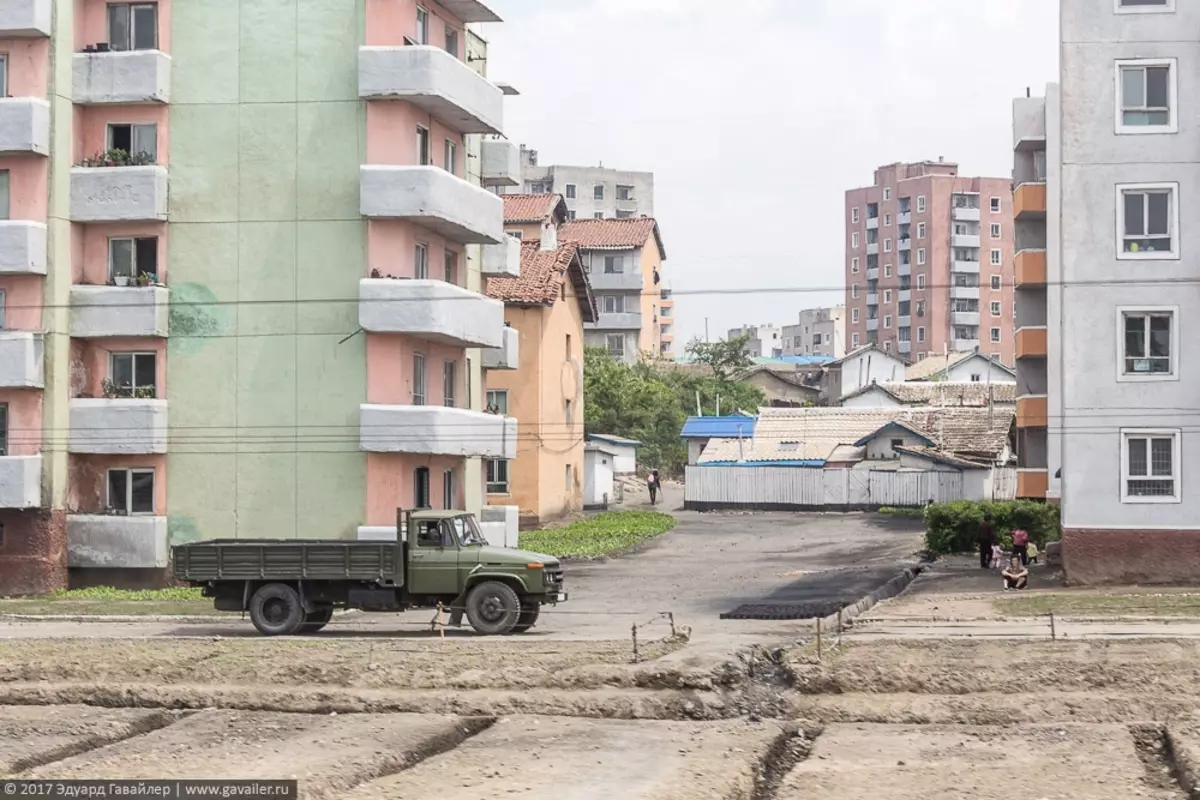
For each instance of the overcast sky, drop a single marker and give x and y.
(756, 116)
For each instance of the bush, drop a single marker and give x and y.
(954, 527)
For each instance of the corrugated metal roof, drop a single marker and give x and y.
(617, 440)
(718, 427)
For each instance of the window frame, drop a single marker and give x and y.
(1172, 219)
(424, 146)
(887, 296)
(1148, 377)
(491, 476)
(920, 334)
(3, 300)
(423, 374)
(133, 126)
(449, 383)
(4, 74)
(422, 18)
(920, 230)
(997, 283)
(994, 336)
(854, 265)
(1172, 126)
(921, 282)
(887, 193)
(608, 340)
(132, 30)
(854, 316)
(996, 205)
(3, 429)
(421, 261)
(887, 220)
(854, 340)
(920, 256)
(996, 257)
(570, 191)
(1168, 7)
(887, 245)
(920, 204)
(450, 156)
(995, 308)
(1176, 435)
(135, 270)
(887, 321)
(597, 191)
(854, 215)
(496, 394)
(995, 232)
(854, 291)
(854, 240)
(128, 505)
(133, 355)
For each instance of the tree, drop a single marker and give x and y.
(726, 357)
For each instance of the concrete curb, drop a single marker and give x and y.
(889, 590)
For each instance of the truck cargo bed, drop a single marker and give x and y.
(284, 560)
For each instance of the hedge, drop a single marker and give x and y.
(954, 527)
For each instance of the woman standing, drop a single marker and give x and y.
(652, 484)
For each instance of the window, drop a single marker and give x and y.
(571, 214)
(887, 320)
(887, 295)
(424, 158)
(854, 265)
(418, 380)
(854, 240)
(827, 338)
(995, 230)
(1144, 6)
(1150, 471)
(450, 158)
(614, 265)
(1146, 90)
(569, 413)
(1147, 352)
(920, 230)
(131, 491)
(854, 340)
(132, 374)
(887, 346)
(448, 495)
(134, 139)
(597, 215)
(569, 349)
(133, 26)
(996, 283)
(421, 262)
(497, 476)
(920, 256)
(451, 267)
(887, 270)
(421, 496)
(996, 308)
(422, 26)
(1, 309)
(1148, 218)
(616, 344)
(497, 401)
(995, 335)
(921, 281)
(995, 205)
(449, 382)
(518, 234)
(921, 204)
(570, 191)
(887, 193)
(854, 315)
(887, 220)
(854, 214)
(598, 191)
(887, 245)
(3, 429)
(130, 258)
(568, 477)
(920, 333)
(624, 192)
(452, 41)
(997, 257)
(3, 75)
(613, 303)
(854, 290)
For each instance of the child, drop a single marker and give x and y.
(997, 554)
(1033, 553)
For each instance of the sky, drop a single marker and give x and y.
(756, 117)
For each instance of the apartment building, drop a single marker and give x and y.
(590, 192)
(1105, 384)
(287, 343)
(929, 264)
(820, 332)
(761, 340)
(624, 261)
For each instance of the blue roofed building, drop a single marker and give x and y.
(697, 431)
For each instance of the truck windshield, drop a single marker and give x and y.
(468, 531)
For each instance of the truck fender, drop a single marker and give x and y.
(476, 578)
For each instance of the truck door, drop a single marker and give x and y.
(433, 557)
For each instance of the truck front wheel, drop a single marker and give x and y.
(493, 608)
(316, 620)
(529, 616)
(276, 610)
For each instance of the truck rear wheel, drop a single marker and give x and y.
(493, 608)
(316, 620)
(276, 610)
(528, 617)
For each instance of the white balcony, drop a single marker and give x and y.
(25, 18)
(435, 82)
(963, 345)
(965, 266)
(20, 481)
(436, 430)
(965, 214)
(618, 321)
(500, 163)
(904, 321)
(904, 218)
(432, 310)
(872, 298)
(502, 260)
(964, 292)
(617, 282)
(904, 269)
(99, 312)
(872, 273)
(873, 248)
(22, 247)
(508, 355)
(126, 77)
(24, 126)
(117, 542)
(435, 199)
(872, 223)
(904, 347)
(117, 426)
(21, 360)
(964, 240)
(964, 318)
(904, 295)
(119, 194)
(873, 324)
(904, 245)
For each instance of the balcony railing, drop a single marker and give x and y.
(117, 541)
(125, 77)
(21, 360)
(434, 81)
(436, 430)
(119, 194)
(117, 426)
(433, 310)
(20, 481)
(119, 311)
(435, 199)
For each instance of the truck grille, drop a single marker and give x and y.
(553, 578)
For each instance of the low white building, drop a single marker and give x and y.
(963, 367)
(624, 451)
(599, 461)
(933, 393)
(859, 368)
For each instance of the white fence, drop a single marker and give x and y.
(810, 488)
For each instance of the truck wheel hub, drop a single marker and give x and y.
(275, 611)
(492, 608)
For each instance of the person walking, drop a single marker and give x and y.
(1021, 546)
(652, 484)
(987, 538)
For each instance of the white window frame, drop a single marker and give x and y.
(854, 265)
(424, 156)
(421, 261)
(887, 320)
(1172, 125)
(854, 315)
(997, 283)
(1147, 377)
(2, 296)
(1166, 8)
(1169, 255)
(854, 240)
(920, 256)
(920, 333)
(422, 15)
(3, 74)
(994, 230)
(887, 193)
(921, 282)
(887, 270)
(494, 395)
(887, 245)
(420, 370)
(920, 230)
(997, 257)
(996, 309)
(920, 204)
(571, 191)
(496, 466)
(887, 220)
(1176, 463)
(854, 291)
(450, 156)
(887, 295)
(854, 340)
(854, 214)
(128, 503)
(994, 336)
(996, 205)
(134, 356)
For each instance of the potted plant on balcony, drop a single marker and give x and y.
(117, 158)
(120, 280)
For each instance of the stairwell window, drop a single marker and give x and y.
(1148, 221)
(997, 257)
(854, 265)
(418, 380)
(854, 315)
(920, 334)
(854, 214)
(129, 258)
(1150, 466)
(130, 491)
(133, 374)
(1146, 96)
(1148, 350)
(854, 340)
(135, 139)
(920, 256)
(854, 240)
(133, 26)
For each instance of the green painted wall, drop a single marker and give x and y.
(265, 253)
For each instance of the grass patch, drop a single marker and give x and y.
(1102, 605)
(107, 601)
(603, 534)
(897, 511)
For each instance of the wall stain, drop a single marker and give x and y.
(197, 315)
(182, 529)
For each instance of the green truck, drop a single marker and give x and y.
(439, 557)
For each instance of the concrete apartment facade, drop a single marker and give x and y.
(929, 262)
(820, 332)
(212, 338)
(624, 259)
(1122, 167)
(761, 340)
(590, 192)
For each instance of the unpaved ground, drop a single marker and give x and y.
(32, 735)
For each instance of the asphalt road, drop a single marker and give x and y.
(708, 565)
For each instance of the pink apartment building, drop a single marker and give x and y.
(929, 262)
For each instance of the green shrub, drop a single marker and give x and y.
(603, 534)
(954, 527)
